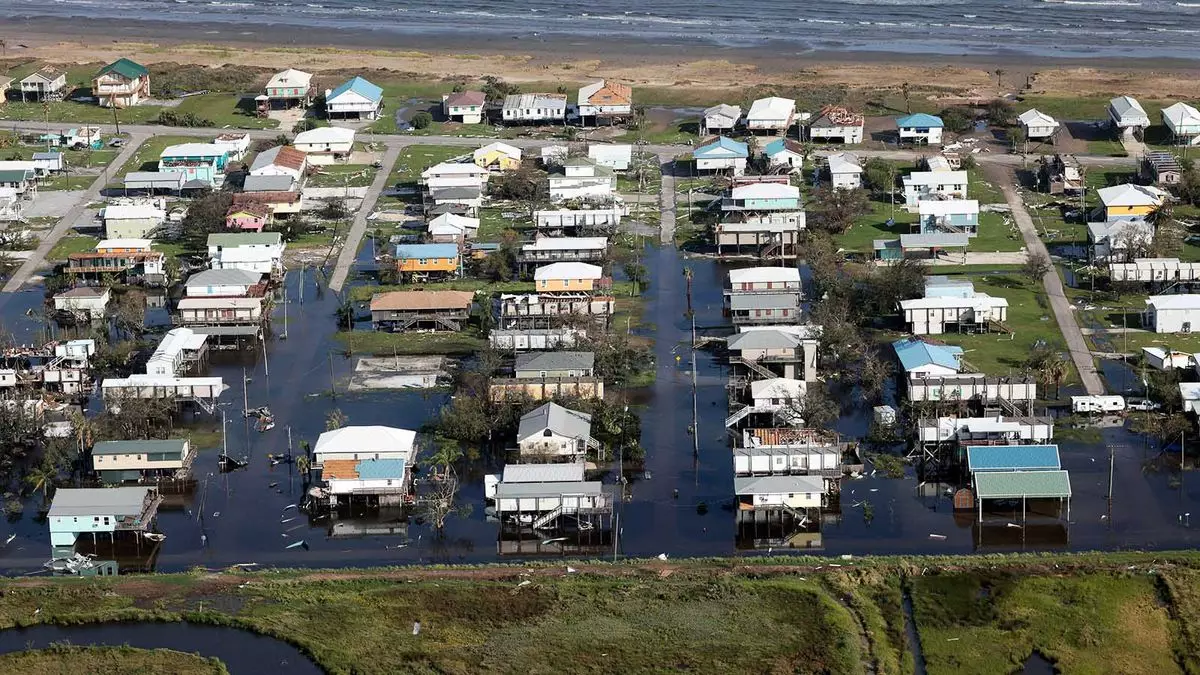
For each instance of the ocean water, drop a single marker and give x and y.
(1064, 28)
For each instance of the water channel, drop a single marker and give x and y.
(242, 652)
(681, 505)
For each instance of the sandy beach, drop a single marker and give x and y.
(677, 66)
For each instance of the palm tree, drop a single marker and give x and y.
(687, 275)
(41, 479)
(447, 453)
(999, 73)
(907, 100)
(1054, 370)
(335, 419)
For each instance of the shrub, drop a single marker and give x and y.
(422, 120)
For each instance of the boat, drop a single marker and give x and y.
(279, 459)
(154, 536)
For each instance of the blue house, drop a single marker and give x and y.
(925, 359)
(762, 197)
(920, 128)
(723, 154)
(960, 216)
(785, 153)
(354, 99)
(203, 162)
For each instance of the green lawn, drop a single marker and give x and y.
(416, 158)
(983, 190)
(997, 232)
(84, 113)
(65, 659)
(339, 175)
(861, 235)
(75, 159)
(364, 293)
(384, 344)
(60, 182)
(146, 156)
(71, 244)
(1106, 148)
(223, 111)
(492, 222)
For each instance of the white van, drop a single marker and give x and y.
(1097, 404)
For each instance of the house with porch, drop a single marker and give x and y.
(424, 262)
(720, 118)
(1118, 240)
(289, 88)
(498, 156)
(1128, 117)
(920, 358)
(281, 160)
(789, 452)
(1151, 270)
(784, 154)
(323, 145)
(722, 154)
(761, 217)
(1172, 313)
(546, 375)
(552, 433)
(466, 107)
(355, 99)
(545, 250)
(1038, 126)
(845, 170)
(775, 493)
(258, 252)
(581, 178)
(116, 512)
(20, 183)
(224, 283)
(920, 185)
(180, 351)
(400, 311)
(578, 220)
(121, 84)
(974, 313)
(773, 114)
(920, 128)
(366, 463)
(615, 156)
(454, 174)
(991, 430)
(568, 277)
(541, 496)
(203, 162)
(835, 123)
(132, 221)
(128, 258)
(529, 311)
(48, 83)
(536, 108)
(604, 99)
(948, 215)
(201, 311)
(1183, 121)
(47, 163)
(119, 462)
(764, 295)
(788, 351)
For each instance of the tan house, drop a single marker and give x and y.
(567, 277)
(545, 375)
(47, 84)
(120, 461)
(121, 84)
(411, 310)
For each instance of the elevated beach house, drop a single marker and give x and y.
(355, 98)
(920, 185)
(367, 463)
(132, 221)
(845, 170)
(83, 302)
(128, 258)
(466, 107)
(546, 375)
(581, 178)
(121, 84)
(784, 155)
(1183, 121)
(948, 215)
(451, 228)
(920, 358)
(568, 277)
(1172, 313)
(121, 461)
(400, 311)
(720, 118)
(48, 83)
(773, 113)
(325, 145)
(126, 512)
(775, 351)
(760, 215)
(1118, 240)
(543, 250)
(964, 309)
(722, 154)
(289, 89)
(1127, 116)
(1037, 125)
(552, 433)
(604, 99)
(1128, 201)
(835, 123)
(258, 252)
(423, 262)
(764, 296)
(238, 142)
(920, 128)
(201, 162)
(543, 108)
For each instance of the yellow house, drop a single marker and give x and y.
(500, 156)
(567, 277)
(423, 259)
(1130, 201)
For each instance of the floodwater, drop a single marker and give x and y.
(679, 503)
(243, 652)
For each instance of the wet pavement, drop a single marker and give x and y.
(680, 502)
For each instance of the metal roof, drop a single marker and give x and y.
(225, 330)
(568, 270)
(167, 179)
(1130, 195)
(461, 192)
(723, 147)
(921, 120)
(763, 339)
(121, 501)
(223, 277)
(1012, 458)
(543, 473)
(125, 68)
(1181, 301)
(195, 150)
(1017, 484)
(562, 421)
(733, 112)
(752, 275)
(1180, 115)
(235, 239)
(415, 251)
(764, 301)
(366, 440)
(566, 244)
(517, 490)
(935, 240)
(139, 447)
(844, 162)
(324, 135)
(289, 78)
(555, 361)
(267, 184)
(1036, 118)
(775, 485)
(778, 387)
(359, 86)
(1126, 105)
(771, 108)
(916, 353)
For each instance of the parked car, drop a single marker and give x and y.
(1142, 404)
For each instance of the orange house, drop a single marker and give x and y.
(568, 277)
(426, 259)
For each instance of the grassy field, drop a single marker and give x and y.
(364, 293)
(872, 226)
(225, 110)
(65, 660)
(75, 159)
(60, 182)
(385, 344)
(339, 175)
(1125, 612)
(71, 244)
(416, 158)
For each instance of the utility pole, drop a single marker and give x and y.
(245, 392)
(116, 122)
(332, 388)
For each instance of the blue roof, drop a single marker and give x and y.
(919, 120)
(915, 353)
(775, 147)
(359, 86)
(724, 146)
(380, 469)
(1013, 458)
(411, 251)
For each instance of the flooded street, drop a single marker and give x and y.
(679, 503)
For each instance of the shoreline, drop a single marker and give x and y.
(684, 65)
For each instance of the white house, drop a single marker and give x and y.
(1172, 313)
(464, 106)
(497, 155)
(49, 162)
(1111, 240)
(364, 442)
(1184, 122)
(366, 460)
(89, 301)
(845, 170)
(568, 218)
(454, 174)
(776, 492)
(354, 99)
(1037, 124)
(931, 315)
(837, 123)
(259, 252)
(920, 128)
(948, 215)
(451, 227)
(784, 153)
(281, 160)
(617, 156)
(723, 154)
(719, 118)
(771, 114)
(228, 282)
(552, 432)
(325, 145)
(534, 108)
(604, 98)
(920, 185)
(920, 359)
(1127, 115)
(237, 142)
(1167, 359)
(777, 392)
(581, 178)
(131, 221)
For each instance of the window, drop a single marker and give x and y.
(95, 519)
(106, 520)
(547, 433)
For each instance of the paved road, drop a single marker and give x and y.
(350, 249)
(666, 196)
(33, 262)
(1080, 354)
